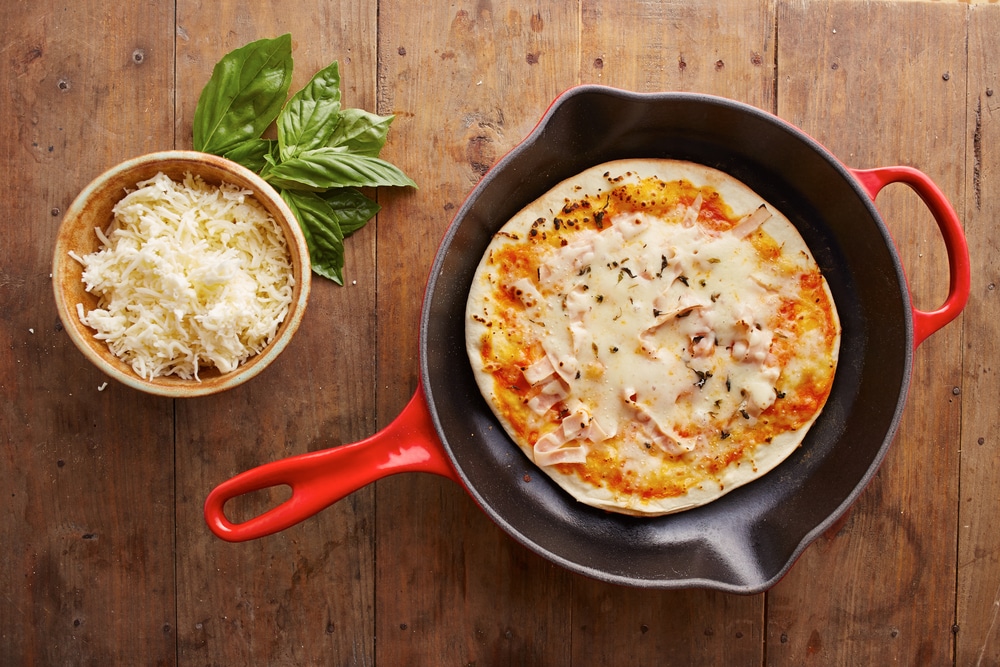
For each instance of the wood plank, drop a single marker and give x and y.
(646, 47)
(88, 496)
(656, 47)
(881, 590)
(99, 483)
(303, 596)
(978, 638)
(467, 80)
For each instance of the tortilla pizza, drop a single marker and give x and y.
(652, 334)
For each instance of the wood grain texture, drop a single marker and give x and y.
(890, 601)
(87, 474)
(109, 559)
(303, 596)
(656, 46)
(978, 638)
(467, 81)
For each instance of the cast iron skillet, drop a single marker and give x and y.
(745, 541)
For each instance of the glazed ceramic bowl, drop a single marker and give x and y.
(92, 209)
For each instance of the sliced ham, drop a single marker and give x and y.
(575, 423)
(551, 393)
(564, 363)
(552, 448)
(561, 455)
(691, 214)
(595, 432)
(667, 307)
(538, 371)
(751, 222)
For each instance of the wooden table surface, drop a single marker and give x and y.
(108, 558)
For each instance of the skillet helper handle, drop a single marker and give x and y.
(926, 323)
(319, 479)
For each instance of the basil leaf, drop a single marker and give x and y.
(309, 118)
(252, 153)
(324, 168)
(360, 132)
(323, 235)
(322, 152)
(352, 209)
(247, 89)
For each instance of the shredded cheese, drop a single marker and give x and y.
(189, 275)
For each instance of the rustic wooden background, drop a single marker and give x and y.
(108, 560)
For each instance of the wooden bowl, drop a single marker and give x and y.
(93, 208)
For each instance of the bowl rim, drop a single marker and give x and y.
(172, 386)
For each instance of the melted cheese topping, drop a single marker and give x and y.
(645, 341)
(189, 275)
(666, 320)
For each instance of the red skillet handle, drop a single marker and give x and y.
(319, 479)
(927, 322)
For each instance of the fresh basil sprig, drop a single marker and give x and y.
(322, 153)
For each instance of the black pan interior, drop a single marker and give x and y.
(745, 541)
